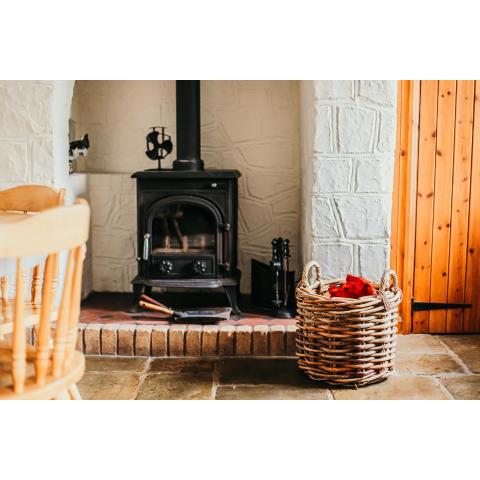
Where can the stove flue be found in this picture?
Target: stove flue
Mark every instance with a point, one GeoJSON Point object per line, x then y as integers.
{"type": "Point", "coordinates": [188, 126]}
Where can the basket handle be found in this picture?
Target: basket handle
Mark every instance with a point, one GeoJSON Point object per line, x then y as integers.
{"type": "Point", "coordinates": [318, 274]}
{"type": "Point", "coordinates": [385, 281]}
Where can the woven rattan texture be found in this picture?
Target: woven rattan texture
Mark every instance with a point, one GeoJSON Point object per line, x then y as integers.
{"type": "Point", "coordinates": [345, 341]}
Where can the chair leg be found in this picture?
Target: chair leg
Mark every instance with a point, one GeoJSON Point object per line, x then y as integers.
{"type": "Point", "coordinates": [74, 393]}
{"type": "Point", "coordinates": [62, 395]}
{"type": "Point", "coordinates": [4, 289]}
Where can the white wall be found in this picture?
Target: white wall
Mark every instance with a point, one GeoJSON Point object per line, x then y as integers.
{"type": "Point", "coordinates": [348, 143]}
{"type": "Point", "coordinates": [61, 105]}
{"type": "Point", "coordinates": [34, 132]}
{"type": "Point", "coordinates": [26, 133]}
{"type": "Point", "coordinates": [308, 132]}
{"type": "Point", "coordinates": [251, 126]}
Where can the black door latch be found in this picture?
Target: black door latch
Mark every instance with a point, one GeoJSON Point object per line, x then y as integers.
{"type": "Point", "coordinates": [424, 306]}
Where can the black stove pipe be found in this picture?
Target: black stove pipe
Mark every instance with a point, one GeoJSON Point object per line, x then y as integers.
{"type": "Point", "coordinates": [188, 126]}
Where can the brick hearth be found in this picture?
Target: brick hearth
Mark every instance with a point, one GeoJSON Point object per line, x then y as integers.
{"type": "Point", "coordinates": [106, 329]}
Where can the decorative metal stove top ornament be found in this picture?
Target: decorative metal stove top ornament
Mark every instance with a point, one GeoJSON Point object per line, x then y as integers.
{"type": "Point", "coordinates": [158, 149]}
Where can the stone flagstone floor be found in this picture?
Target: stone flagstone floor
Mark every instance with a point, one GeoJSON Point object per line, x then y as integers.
{"type": "Point", "coordinates": [428, 367]}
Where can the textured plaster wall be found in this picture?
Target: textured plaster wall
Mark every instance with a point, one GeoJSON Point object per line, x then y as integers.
{"type": "Point", "coordinates": [252, 126]}
{"type": "Point", "coordinates": [34, 132]}
{"type": "Point", "coordinates": [348, 142]}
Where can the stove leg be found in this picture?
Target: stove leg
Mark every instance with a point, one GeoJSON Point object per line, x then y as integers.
{"type": "Point", "coordinates": [148, 290]}
{"type": "Point", "coordinates": [231, 292]}
{"type": "Point", "coordinates": [137, 293]}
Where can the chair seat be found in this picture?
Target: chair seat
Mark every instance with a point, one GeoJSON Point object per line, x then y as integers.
{"type": "Point", "coordinates": [52, 386]}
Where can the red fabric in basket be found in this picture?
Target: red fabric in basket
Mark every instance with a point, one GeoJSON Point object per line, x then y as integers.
{"type": "Point", "coordinates": [354, 287]}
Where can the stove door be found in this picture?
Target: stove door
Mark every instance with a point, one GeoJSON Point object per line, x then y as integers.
{"type": "Point", "coordinates": [184, 238]}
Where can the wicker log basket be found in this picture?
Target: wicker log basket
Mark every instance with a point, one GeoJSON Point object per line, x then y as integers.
{"type": "Point", "coordinates": [345, 341]}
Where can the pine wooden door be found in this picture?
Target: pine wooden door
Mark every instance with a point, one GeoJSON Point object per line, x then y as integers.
{"type": "Point", "coordinates": [436, 215]}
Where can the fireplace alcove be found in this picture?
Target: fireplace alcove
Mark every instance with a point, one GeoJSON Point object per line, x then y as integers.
{"type": "Point", "coordinates": [246, 126]}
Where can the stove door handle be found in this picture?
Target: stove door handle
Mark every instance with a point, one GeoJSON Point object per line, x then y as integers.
{"type": "Point", "coordinates": [146, 249]}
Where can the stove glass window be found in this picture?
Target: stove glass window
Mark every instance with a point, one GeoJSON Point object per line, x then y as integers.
{"type": "Point", "coordinates": [183, 228]}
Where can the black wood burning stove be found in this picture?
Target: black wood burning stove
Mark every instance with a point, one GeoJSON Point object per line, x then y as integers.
{"type": "Point", "coordinates": [187, 216]}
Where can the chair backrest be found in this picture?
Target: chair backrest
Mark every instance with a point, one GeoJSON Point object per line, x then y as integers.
{"type": "Point", "coordinates": [47, 233]}
{"type": "Point", "coordinates": [31, 198]}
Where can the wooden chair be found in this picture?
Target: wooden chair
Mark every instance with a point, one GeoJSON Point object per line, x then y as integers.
{"type": "Point", "coordinates": [47, 370]}
{"type": "Point", "coordinates": [29, 199]}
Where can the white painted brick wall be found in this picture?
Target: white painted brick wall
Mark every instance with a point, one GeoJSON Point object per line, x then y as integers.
{"type": "Point", "coordinates": [373, 259]}
{"type": "Point", "coordinates": [324, 139]}
{"type": "Point", "coordinates": [26, 130]}
{"type": "Point", "coordinates": [332, 175]}
{"type": "Point", "coordinates": [364, 218]}
{"type": "Point", "coordinates": [34, 132]}
{"type": "Point", "coordinates": [323, 219]}
{"type": "Point", "coordinates": [373, 175]}
{"type": "Point", "coordinates": [356, 129]}
{"type": "Point", "coordinates": [336, 259]}
{"type": "Point", "coordinates": [334, 89]}
{"type": "Point", "coordinates": [348, 142]}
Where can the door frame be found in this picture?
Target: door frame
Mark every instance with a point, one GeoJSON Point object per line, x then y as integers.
{"type": "Point", "coordinates": [402, 242]}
